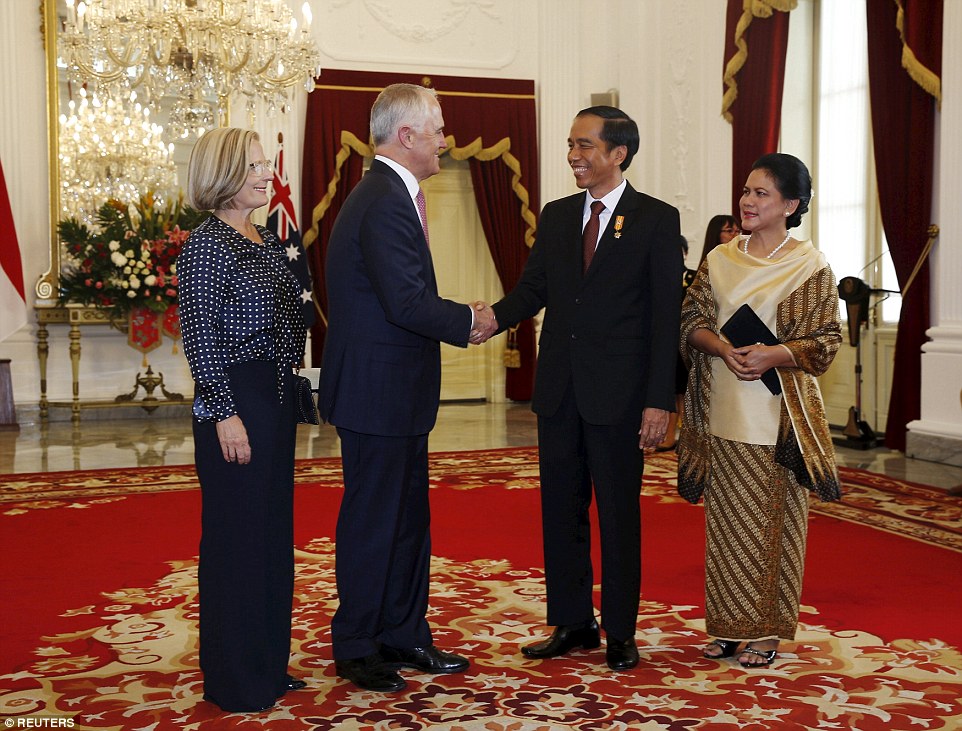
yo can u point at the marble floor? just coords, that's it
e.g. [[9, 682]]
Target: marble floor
[[164, 439]]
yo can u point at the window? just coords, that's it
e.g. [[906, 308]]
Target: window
[[847, 223]]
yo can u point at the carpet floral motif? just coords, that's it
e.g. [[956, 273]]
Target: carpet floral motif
[[134, 666], [914, 511]]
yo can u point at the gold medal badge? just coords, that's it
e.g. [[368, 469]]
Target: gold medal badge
[[619, 222]]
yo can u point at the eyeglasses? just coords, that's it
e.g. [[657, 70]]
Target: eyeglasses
[[261, 166]]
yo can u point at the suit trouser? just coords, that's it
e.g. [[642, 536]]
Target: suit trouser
[[383, 554], [573, 455], [246, 572]]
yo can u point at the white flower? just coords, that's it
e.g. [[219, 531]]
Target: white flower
[[173, 268], [150, 280], [131, 293], [118, 259], [128, 270], [113, 246], [129, 253], [134, 282]]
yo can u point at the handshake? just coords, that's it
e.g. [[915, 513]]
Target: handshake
[[485, 323]]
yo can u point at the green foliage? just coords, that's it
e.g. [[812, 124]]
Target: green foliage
[[129, 260]]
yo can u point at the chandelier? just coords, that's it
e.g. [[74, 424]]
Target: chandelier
[[110, 150], [195, 51]]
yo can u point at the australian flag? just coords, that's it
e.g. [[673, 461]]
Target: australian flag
[[282, 220]]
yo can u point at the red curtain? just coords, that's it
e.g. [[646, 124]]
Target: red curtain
[[755, 50], [903, 125], [492, 188], [490, 122]]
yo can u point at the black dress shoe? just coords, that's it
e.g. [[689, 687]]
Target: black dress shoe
[[564, 639], [426, 659], [621, 655], [293, 683], [370, 673]]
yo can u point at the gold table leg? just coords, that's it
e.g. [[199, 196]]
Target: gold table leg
[[43, 350], [75, 368]]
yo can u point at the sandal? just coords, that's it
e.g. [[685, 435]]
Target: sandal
[[767, 655], [728, 648]]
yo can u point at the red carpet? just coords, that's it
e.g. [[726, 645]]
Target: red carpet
[[99, 610]]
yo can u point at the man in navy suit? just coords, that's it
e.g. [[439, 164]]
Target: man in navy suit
[[605, 380], [380, 386]]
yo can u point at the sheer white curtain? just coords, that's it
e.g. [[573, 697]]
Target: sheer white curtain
[[849, 229]]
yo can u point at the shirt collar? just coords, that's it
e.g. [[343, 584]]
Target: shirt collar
[[610, 200], [410, 182]]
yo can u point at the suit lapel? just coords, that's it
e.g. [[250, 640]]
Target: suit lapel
[[617, 232], [380, 168], [571, 248]]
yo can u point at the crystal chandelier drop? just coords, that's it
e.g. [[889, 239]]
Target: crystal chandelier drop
[[111, 150], [200, 52]]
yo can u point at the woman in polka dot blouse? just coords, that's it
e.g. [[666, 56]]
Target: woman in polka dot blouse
[[243, 330]]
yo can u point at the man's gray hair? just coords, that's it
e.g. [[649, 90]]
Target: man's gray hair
[[399, 105]]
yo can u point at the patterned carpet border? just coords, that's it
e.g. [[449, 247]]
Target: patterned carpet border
[[128, 661], [903, 508], [134, 666]]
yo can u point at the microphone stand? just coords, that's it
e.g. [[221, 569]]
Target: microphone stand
[[856, 293]]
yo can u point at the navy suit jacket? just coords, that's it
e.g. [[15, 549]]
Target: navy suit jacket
[[381, 371], [612, 332]]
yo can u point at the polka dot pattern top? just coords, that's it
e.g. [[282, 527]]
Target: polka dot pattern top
[[239, 302]]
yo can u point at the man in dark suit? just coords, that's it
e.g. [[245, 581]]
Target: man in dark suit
[[611, 285], [380, 386]]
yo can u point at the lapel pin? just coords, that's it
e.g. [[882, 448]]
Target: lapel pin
[[619, 222]]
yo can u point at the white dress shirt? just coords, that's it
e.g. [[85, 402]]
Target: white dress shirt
[[610, 201]]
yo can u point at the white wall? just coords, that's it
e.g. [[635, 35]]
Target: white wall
[[23, 150], [937, 434]]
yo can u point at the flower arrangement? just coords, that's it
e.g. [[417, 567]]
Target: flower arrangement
[[129, 261]]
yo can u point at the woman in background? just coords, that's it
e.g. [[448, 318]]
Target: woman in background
[[243, 331], [750, 452], [681, 370], [720, 230]]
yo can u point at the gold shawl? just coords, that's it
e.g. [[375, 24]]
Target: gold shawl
[[807, 322]]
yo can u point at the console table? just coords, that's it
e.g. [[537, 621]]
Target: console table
[[76, 317]]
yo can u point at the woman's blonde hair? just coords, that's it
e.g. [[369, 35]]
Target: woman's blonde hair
[[218, 167]]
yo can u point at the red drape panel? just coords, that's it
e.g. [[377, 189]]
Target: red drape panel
[[490, 120], [756, 111], [903, 124], [326, 119], [492, 187]]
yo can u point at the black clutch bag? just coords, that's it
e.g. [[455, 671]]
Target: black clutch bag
[[304, 405], [746, 328]]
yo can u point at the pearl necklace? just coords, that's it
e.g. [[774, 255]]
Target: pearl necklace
[[773, 251]]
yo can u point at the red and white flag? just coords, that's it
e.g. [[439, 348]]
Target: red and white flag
[[13, 299]]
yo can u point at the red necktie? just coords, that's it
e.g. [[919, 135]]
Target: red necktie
[[589, 239], [423, 213]]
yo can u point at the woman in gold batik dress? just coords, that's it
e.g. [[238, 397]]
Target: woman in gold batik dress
[[750, 452]]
